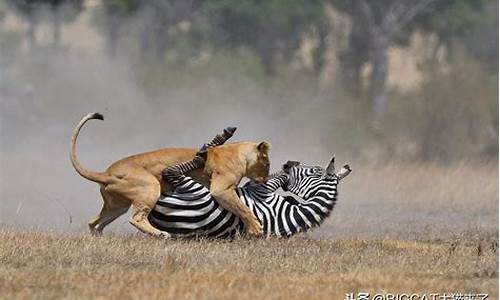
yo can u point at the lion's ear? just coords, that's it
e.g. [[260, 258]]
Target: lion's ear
[[263, 147]]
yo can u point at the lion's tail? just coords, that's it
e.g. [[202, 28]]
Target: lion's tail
[[98, 177]]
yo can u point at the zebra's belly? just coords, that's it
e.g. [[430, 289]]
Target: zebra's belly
[[193, 216], [197, 213]]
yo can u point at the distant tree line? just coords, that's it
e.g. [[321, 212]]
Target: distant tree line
[[274, 31], [56, 12]]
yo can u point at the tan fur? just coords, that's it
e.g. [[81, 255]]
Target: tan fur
[[136, 180]]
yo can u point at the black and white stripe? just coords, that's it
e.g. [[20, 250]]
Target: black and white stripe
[[191, 210]]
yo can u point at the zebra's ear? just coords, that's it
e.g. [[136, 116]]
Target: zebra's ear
[[263, 147], [289, 164], [330, 169]]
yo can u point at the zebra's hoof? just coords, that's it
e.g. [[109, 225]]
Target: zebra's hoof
[[229, 130]]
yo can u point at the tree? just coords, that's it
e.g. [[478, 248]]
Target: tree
[[318, 55], [272, 29], [59, 11], [27, 10], [471, 23], [116, 14], [62, 11], [376, 26], [151, 23]]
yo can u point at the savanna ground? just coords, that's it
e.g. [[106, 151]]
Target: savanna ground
[[414, 229], [45, 265]]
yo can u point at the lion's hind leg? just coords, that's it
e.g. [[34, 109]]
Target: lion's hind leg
[[142, 189], [112, 208]]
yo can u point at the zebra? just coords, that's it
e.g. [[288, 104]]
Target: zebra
[[190, 210]]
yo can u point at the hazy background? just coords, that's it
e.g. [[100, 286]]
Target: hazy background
[[405, 91]]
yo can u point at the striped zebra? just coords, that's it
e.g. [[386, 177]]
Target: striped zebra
[[190, 210]]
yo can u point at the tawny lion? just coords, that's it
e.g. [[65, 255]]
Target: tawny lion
[[136, 180]]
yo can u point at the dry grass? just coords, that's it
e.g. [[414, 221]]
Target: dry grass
[[47, 265], [420, 200], [419, 228]]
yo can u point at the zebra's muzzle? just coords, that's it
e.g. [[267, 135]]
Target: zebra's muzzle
[[289, 164]]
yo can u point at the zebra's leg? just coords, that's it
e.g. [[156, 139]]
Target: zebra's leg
[[221, 138], [346, 170], [175, 174], [218, 140], [275, 182]]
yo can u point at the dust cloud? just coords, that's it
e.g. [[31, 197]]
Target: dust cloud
[[45, 92], [51, 91]]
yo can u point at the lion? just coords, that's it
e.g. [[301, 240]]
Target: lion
[[136, 180]]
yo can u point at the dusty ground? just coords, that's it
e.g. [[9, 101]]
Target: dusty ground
[[48, 265], [396, 229]]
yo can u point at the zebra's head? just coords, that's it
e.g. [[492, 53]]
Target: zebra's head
[[305, 181]]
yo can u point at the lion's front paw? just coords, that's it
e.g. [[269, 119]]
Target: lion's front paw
[[255, 229], [164, 235]]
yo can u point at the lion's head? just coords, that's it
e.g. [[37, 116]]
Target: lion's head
[[258, 163]]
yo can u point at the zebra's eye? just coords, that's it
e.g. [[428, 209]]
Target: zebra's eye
[[317, 170]]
